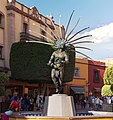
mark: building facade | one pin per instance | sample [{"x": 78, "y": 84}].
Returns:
[
  {"x": 78, "y": 87},
  {"x": 17, "y": 23},
  {"x": 95, "y": 77},
  {"x": 87, "y": 80},
  {"x": 108, "y": 61}
]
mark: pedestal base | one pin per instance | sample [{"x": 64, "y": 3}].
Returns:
[{"x": 59, "y": 105}]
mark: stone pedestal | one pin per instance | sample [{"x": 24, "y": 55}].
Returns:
[{"x": 59, "y": 105}]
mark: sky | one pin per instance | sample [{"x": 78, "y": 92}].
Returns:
[{"x": 96, "y": 14}]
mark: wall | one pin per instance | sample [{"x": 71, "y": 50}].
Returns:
[
  {"x": 95, "y": 65},
  {"x": 15, "y": 15},
  {"x": 3, "y": 33},
  {"x": 82, "y": 80}
]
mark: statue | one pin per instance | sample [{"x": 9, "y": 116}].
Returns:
[
  {"x": 64, "y": 44},
  {"x": 57, "y": 61}
]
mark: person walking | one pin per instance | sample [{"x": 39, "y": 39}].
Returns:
[
  {"x": 15, "y": 105},
  {"x": 91, "y": 102},
  {"x": 101, "y": 103},
  {"x": 83, "y": 102},
  {"x": 97, "y": 102},
  {"x": 25, "y": 103}
]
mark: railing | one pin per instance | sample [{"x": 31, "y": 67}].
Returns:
[{"x": 28, "y": 37}]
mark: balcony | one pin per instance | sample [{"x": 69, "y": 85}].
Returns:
[{"x": 28, "y": 37}]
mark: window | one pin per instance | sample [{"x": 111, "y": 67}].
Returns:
[
  {"x": 1, "y": 20},
  {"x": 44, "y": 34},
  {"x": 96, "y": 76},
  {"x": 77, "y": 72},
  {"x": 1, "y": 51},
  {"x": 25, "y": 27}
]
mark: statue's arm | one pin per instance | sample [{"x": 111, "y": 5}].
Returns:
[
  {"x": 51, "y": 60},
  {"x": 66, "y": 58}
]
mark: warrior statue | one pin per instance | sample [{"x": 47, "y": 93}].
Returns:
[{"x": 57, "y": 61}]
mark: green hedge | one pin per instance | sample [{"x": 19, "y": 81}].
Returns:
[{"x": 28, "y": 61}]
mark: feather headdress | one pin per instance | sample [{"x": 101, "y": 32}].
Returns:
[{"x": 69, "y": 40}]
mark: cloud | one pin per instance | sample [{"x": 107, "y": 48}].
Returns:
[
  {"x": 103, "y": 42},
  {"x": 102, "y": 34}
]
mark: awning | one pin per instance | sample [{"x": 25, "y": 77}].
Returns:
[
  {"x": 97, "y": 89},
  {"x": 78, "y": 90}
]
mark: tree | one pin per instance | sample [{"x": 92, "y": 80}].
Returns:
[
  {"x": 4, "y": 79},
  {"x": 107, "y": 89}
]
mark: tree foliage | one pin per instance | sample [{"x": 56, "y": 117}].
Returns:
[
  {"x": 4, "y": 78},
  {"x": 1, "y": 91},
  {"x": 107, "y": 89}
]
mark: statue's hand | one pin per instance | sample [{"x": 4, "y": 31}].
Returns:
[
  {"x": 50, "y": 64},
  {"x": 62, "y": 61}
]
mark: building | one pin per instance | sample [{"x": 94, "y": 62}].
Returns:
[
  {"x": 17, "y": 23},
  {"x": 88, "y": 78},
  {"x": 78, "y": 87},
  {"x": 107, "y": 61},
  {"x": 95, "y": 76}
]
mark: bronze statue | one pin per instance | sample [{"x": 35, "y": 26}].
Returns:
[
  {"x": 57, "y": 61},
  {"x": 60, "y": 57}
]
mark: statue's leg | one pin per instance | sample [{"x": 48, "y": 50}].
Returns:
[
  {"x": 60, "y": 78},
  {"x": 60, "y": 81},
  {"x": 55, "y": 80}
]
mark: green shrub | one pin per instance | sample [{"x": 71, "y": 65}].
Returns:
[
  {"x": 1, "y": 91},
  {"x": 4, "y": 78},
  {"x": 28, "y": 61}
]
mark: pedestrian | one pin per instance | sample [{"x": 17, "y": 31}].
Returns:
[
  {"x": 15, "y": 105},
  {"x": 108, "y": 99},
  {"x": 41, "y": 104},
  {"x": 83, "y": 102},
  {"x": 31, "y": 99},
  {"x": 25, "y": 103},
  {"x": 112, "y": 99},
  {"x": 101, "y": 103},
  {"x": 14, "y": 95},
  {"x": 97, "y": 102},
  {"x": 91, "y": 102},
  {"x": 8, "y": 100}
]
